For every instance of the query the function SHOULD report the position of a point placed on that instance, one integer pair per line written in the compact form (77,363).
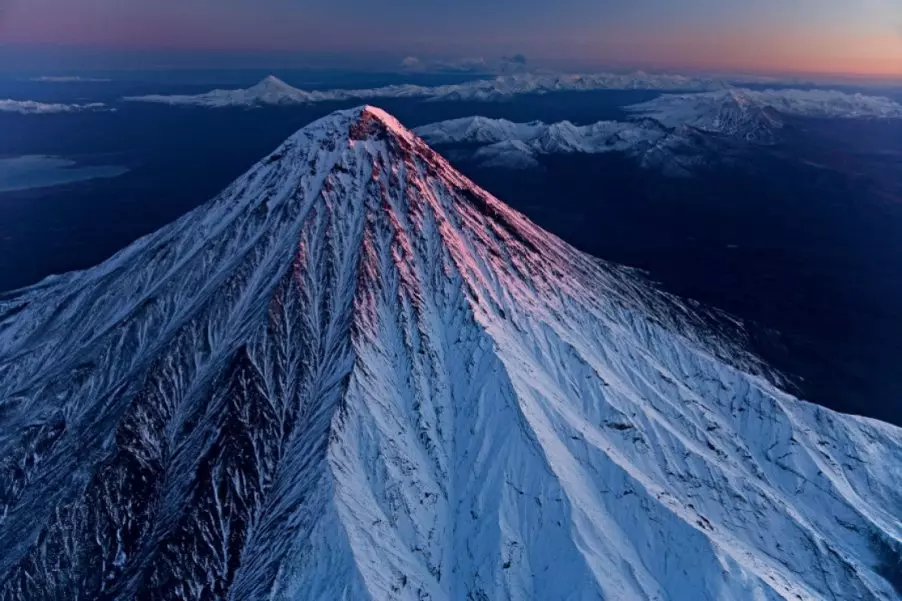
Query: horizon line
(346,61)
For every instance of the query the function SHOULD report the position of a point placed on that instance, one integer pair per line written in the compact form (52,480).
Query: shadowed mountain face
(355,375)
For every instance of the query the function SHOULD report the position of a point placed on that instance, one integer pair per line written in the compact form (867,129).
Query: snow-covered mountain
(478,130)
(561,137)
(667,132)
(502,143)
(356,375)
(33,107)
(505,86)
(757,115)
(273,91)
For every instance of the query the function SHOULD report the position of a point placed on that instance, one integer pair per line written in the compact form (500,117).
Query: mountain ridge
(493,89)
(674,132)
(356,375)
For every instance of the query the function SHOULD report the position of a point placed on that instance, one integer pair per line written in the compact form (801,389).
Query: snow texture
(756,115)
(543,138)
(32,107)
(354,375)
(501,143)
(271,91)
(663,133)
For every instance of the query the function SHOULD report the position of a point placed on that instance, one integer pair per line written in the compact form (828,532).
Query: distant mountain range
(274,92)
(31,107)
(757,115)
(271,91)
(673,131)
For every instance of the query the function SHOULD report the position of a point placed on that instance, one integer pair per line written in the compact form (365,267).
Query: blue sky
(789,35)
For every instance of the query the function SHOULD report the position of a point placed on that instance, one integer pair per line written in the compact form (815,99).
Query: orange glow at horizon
(830,37)
(864,55)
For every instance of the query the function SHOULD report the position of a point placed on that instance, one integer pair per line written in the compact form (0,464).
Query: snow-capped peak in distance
(502,143)
(756,114)
(478,130)
(272,84)
(662,132)
(270,91)
(274,91)
(559,137)
(356,375)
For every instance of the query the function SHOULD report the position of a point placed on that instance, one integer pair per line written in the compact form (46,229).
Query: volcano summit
(354,375)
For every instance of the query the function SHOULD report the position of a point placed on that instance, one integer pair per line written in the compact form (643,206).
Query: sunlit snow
(356,375)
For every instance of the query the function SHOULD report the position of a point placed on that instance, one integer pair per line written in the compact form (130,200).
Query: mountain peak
(271,81)
(364,137)
(360,123)
(368,116)
(356,375)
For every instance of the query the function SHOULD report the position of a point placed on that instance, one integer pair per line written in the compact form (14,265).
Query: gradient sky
(805,36)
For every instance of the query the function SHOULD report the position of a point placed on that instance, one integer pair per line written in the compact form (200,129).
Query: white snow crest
(502,143)
(716,111)
(660,133)
(31,107)
(356,375)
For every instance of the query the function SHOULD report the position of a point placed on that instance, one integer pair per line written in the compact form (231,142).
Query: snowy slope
(32,107)
(479,130)
(354,375)
(502,143)
(668,132)
(714,106)
(756,115)
(271,91)
(560,137)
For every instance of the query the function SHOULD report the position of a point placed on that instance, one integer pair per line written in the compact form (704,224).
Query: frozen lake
(40,171)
